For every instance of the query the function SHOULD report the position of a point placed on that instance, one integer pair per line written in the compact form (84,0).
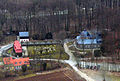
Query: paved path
(25,51)
(5,47)
(72,62)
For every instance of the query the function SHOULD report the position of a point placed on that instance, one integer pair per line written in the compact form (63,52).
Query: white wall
(24,40)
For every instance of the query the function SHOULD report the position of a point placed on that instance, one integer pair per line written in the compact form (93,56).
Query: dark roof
(85,33)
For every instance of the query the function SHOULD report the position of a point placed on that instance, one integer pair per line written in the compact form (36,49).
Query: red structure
(17,63)
(17,48)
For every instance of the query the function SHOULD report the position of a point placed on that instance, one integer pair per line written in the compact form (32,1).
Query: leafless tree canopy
(44,16)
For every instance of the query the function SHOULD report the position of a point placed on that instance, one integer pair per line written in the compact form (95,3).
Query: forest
(59,19)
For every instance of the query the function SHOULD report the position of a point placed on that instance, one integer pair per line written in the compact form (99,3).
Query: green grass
(1,59)
(70,43)
(10,50)
(79,50)
(30,73)
(26,76)
(114,78)
(53,54)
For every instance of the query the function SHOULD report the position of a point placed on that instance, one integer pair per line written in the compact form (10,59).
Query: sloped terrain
(62,75)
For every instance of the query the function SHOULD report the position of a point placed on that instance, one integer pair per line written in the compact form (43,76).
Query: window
(88,34)
(86,46)
(95,46)
(20,62)
(16,67)
(89,46)
(25,62)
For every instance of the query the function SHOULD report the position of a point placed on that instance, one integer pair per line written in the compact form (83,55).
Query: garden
(47,52)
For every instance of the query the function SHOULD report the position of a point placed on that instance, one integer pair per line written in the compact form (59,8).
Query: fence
(99,66)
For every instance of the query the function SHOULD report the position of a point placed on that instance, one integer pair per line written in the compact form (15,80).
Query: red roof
(17,47)
(16,62)
(17,42)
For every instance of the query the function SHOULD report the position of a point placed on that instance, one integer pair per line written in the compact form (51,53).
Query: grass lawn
(1,59)
(10,50)
(79,50)
(25,76)
(70,43)
(115,77)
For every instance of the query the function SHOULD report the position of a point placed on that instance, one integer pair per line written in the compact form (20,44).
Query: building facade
(23,36)
(88,40)
(15,64)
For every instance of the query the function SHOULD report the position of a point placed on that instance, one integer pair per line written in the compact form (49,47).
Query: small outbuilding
(23,36)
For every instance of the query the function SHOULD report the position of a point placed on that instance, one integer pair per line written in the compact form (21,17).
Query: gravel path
(72,62)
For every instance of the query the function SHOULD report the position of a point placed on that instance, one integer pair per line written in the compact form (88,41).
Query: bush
(35,37)
(97,53)
(24,68)
(49,36)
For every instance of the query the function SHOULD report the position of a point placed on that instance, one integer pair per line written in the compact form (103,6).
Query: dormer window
(25,62)
(15,62)
(20,62)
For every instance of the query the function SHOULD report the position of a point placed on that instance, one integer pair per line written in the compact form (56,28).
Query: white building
(23,36)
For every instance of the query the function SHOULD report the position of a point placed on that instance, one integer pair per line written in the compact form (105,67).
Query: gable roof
(16,62)
(87,37)
(24,34)
(85,33)
(87,41)
(17,43)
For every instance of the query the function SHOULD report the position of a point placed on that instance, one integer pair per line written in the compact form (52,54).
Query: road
(5,47)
